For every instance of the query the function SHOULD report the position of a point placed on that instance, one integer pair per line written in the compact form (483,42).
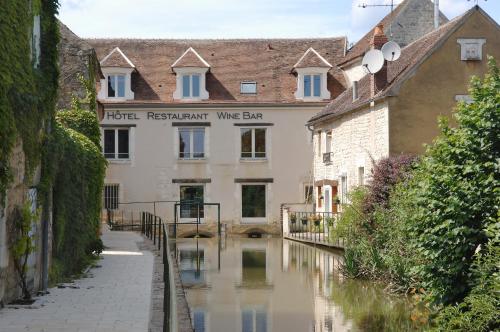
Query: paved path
(116,298)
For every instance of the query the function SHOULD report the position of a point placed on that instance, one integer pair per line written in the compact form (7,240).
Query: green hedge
(76,171)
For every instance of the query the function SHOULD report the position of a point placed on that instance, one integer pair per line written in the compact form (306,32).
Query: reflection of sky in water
(278,285)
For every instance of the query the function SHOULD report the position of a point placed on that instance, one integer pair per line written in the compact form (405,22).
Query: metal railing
(316,227)
(156,230)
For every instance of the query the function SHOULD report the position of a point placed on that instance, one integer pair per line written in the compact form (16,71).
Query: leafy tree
(456,192)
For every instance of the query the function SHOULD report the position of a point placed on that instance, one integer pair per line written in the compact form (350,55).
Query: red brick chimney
(378,81)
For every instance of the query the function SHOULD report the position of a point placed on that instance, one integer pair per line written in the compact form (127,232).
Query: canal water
(263,285)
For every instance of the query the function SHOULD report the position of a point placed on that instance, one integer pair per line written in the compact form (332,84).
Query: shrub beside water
(433,228)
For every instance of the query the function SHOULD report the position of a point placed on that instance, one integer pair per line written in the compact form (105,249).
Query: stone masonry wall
(357,138)
(414,21)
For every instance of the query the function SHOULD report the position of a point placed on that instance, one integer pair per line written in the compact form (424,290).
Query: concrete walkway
(114,297)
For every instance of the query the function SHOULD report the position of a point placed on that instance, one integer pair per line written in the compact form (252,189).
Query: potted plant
(317,220)
(304,220)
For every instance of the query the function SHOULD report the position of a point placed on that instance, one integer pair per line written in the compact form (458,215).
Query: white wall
(148,176)
(354,72)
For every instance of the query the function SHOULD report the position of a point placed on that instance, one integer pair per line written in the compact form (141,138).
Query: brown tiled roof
(269,62)
(411,56)
(190,58)
(311,58)
(116,58)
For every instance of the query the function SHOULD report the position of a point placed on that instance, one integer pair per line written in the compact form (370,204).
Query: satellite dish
(373,61)
(391,51)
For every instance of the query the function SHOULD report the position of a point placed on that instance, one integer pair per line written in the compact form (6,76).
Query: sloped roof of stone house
(400,17)
(268,62)
(412,56)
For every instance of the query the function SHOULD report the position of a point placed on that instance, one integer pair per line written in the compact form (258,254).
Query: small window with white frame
(361,176)
(192,143)
(191,86)
(253,143)
(117,143)
(116,86)
(111,196)
(343,183)
(312,85)
(248,88)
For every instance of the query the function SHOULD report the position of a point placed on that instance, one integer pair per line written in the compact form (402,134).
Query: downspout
(311,129)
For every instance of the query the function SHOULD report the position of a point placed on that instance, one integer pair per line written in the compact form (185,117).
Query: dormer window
(116,86)
(312,70)
(191,86)
(117,70)
(191,70)
(248,88)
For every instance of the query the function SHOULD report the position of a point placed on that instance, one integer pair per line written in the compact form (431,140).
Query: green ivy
(27,94)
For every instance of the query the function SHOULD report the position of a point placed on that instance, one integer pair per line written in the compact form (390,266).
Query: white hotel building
(215,121)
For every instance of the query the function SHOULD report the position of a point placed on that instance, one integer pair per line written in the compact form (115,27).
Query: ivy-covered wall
(28,91)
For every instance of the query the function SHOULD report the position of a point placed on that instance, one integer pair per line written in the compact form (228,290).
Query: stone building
(395,111)
(410,20)
(76,57)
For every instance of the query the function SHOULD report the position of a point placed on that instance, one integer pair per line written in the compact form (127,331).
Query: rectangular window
(253,199)
(191,197)
(253,264)
(317,85)
(253,320)
(116,144)
(248,88)
(308,194)
(116,86)
(343,183)
(253,143)
(111,194)
(199,320)
(328,147)
(191,143)
(361,176)
(191,86)
(307,85)
(312,85)
(192,266)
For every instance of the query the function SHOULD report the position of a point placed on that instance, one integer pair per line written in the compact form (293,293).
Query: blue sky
(235,18)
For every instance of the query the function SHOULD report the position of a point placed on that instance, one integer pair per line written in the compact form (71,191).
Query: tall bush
(457,193)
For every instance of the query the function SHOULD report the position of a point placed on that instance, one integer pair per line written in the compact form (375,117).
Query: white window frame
(115,158)
(253,83)
(183,71)
(253,157)
(114,77)
(202,219)
(114,71)
(191,143)
(344,189)
(253,309)
(254,220)
(191,86)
